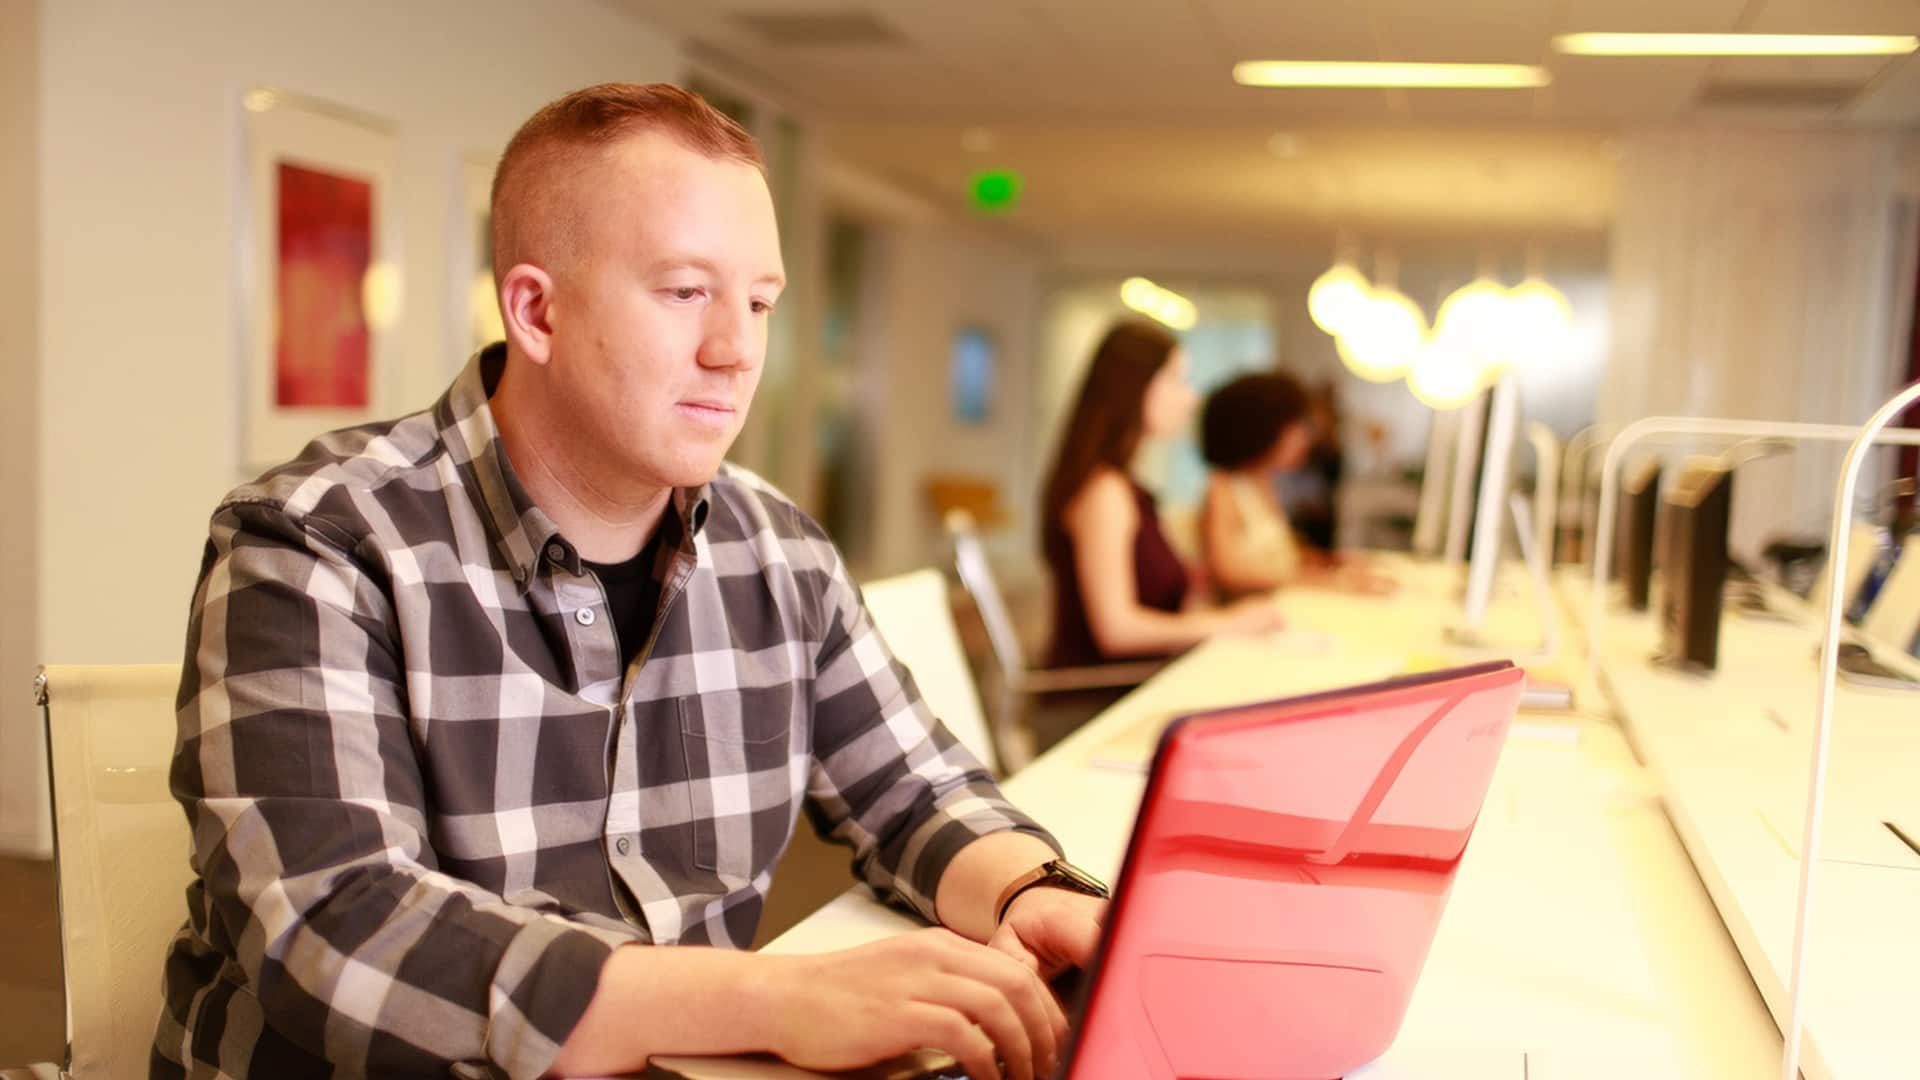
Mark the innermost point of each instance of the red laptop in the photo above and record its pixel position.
(1286, 874)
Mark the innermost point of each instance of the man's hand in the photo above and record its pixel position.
(932, 988)
(1050, 930)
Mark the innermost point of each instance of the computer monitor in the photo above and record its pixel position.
(1634, 549)
(1699, 508)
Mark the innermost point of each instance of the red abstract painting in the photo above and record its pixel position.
(321, 342)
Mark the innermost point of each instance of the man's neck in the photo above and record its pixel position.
(605, 523)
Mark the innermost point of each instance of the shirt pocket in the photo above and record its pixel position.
(741, 743)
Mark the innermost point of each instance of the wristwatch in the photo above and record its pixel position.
(1054, 873)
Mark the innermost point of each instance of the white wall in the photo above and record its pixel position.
(140, 141)
(1759, 274)
(23, 779)
(939, 276)
(141, 123)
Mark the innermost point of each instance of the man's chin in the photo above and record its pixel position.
(689, 474)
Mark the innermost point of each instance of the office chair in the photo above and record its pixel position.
(121, 854)
(1019, 684)
(913, 616)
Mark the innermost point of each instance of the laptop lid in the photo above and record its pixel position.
(1285, 876)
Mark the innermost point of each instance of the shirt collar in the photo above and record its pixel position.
(521, 531)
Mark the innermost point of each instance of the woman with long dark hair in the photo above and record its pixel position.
(1120, 590)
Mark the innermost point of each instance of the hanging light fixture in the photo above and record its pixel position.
(1541, 322)
(1443, 377)
(1379, 342)
(1337, 297)
(1476, 323)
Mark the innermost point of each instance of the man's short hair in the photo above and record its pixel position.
(1243, 420)
(554, 142)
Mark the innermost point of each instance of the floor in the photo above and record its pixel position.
(32, 1010)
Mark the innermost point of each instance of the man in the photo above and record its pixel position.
(483, 706)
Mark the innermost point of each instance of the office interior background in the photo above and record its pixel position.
(963, 190)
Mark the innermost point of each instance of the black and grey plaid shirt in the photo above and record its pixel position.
(426, 799)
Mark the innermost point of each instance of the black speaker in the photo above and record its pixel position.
(1633, 549)
(1699, 507)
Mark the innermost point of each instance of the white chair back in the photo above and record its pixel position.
(121, 852)
(914, 617)
(1894, 618)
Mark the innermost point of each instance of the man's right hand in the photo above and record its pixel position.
(932, 988)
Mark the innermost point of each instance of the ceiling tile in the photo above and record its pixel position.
(1836, 17)
(1293, 29)
(1143, 36)
(1798, 69)
(1587, 88)
(1653, 16)
(1481, 31)
(1892, 101)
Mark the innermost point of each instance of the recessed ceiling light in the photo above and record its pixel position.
(1357, 74)
(1158, 302)
(1736, 44)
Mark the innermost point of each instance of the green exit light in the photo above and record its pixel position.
(995, 189)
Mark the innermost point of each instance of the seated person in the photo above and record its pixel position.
(1120, 590)
(1253, 427)
(495, 718)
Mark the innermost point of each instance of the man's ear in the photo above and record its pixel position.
(526, 297)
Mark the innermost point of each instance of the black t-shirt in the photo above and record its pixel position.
(633, 590)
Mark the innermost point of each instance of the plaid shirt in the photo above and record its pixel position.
(426, 799)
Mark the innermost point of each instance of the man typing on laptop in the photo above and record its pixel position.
(485, 706)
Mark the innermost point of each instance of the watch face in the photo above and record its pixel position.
(1078, 878)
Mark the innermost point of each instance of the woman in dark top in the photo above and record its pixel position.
(1120, 590)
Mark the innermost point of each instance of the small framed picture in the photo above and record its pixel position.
(975, 355)
(321, 284)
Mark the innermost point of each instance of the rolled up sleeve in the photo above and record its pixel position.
(887, 777)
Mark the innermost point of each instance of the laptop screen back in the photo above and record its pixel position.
(1287, 871)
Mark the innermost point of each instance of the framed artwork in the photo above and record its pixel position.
(475, 312)
(321, 284)
(975, 354)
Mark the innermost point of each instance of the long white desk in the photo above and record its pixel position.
(1578, 942)
(1732, 753)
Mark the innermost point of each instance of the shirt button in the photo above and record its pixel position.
(584, 616)
(622, 845)
(556, 552)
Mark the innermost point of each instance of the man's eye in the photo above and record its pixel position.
(762, 306)
(686, 292)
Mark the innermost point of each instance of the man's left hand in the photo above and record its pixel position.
(1051, 930)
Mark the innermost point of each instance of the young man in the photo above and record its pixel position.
(483, 706)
